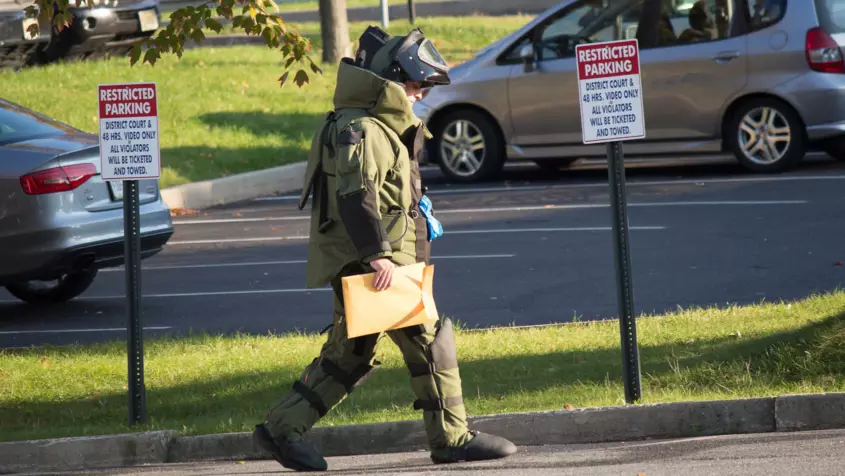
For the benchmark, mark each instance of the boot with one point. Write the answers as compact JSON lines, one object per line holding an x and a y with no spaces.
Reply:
{"x":481,"y":447}
{"x":296,"y":455}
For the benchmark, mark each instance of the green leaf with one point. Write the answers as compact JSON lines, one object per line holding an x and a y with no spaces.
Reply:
{"x":136,"y":54}
{"x":213,"y":25}
{"x":316,"y":69}
{"x":237,"y":21}
{"x":33,"y":30}
{"x":289,"y":62}
{"x":197,"y":35}
{"x":151,"y":56}
{"x":300,"y":78}
{"x":284,"y":78}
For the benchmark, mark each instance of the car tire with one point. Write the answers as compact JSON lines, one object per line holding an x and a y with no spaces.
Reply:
{"x":461,"y":133}
{"x":770,"y":131}
{"x":68,"y":287}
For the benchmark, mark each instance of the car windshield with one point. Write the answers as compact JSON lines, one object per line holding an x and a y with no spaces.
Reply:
{"x":831,"y":15}
{"x":18,"y":124}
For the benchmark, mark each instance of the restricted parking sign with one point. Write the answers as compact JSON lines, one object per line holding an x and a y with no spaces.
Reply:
{"x":129,"y":139}
{"x":610,"y":91}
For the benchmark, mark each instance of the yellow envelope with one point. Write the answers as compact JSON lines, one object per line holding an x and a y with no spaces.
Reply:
{"x":409,"y":301}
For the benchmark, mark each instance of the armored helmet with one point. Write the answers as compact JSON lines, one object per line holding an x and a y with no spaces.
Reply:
{"x":404,"y":58}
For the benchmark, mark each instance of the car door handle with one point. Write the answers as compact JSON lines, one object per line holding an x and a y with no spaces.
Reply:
{"x":725,"y":56}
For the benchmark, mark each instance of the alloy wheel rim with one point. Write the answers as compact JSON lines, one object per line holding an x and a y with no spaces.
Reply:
{"x":462,"y":148}
{"x":764,"y":135}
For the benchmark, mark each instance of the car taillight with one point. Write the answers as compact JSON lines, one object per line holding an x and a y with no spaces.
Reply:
{"x":57,"y":179}
{"x":823,"y":53}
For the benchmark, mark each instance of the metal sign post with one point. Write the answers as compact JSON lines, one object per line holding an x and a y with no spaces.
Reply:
{"x":135,"y":336}
{"x":385,"y":15}
{"x":130,"y":151}
{"x":610,"y":92}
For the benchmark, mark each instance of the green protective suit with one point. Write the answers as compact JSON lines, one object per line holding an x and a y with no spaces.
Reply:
{"x":363,"y":169}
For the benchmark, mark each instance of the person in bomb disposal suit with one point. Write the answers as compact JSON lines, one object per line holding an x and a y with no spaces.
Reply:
{"x":368,"y":215}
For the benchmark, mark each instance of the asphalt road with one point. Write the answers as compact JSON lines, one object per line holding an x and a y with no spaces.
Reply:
{"x":528,"y":250}
{"x":810,"y":453}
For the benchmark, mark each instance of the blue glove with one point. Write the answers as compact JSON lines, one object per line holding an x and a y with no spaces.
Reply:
{"x":435,"y":229}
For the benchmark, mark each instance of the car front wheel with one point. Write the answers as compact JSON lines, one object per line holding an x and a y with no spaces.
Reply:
{"x":468,"y":146}
{"x":766,"y":135}
{"x":65,"y":288}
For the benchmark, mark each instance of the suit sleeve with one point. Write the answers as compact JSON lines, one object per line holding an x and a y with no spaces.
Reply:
{"x":359,"y":178}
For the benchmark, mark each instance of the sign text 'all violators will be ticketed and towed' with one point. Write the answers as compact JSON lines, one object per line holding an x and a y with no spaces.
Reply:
{"x":610,"y":91}
{"x":129,"y":135}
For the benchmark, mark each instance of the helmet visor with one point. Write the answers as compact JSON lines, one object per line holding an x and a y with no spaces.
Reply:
{"x":422,"y":63}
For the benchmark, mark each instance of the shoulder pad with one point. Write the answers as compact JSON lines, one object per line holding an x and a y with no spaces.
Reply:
{"x":351,"y":134}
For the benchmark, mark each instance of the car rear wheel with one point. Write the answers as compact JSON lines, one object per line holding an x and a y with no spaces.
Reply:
{"x":65,"y":288}
{"x":766,"y":135}
{"x":468,"y":146}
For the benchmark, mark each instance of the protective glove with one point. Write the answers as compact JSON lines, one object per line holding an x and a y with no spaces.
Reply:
{"x":435,"y":229}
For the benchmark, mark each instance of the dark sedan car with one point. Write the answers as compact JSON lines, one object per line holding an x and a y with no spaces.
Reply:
{"x":104,"y":27}
{"x":17,"y":47}
{"x":59,"y":221}
{"x":99,"y":28}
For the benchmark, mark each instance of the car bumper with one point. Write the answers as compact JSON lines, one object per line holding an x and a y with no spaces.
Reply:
{"x":422,"y":111}
{"x":107,"y":25}
{"x":47,"y":253}
{"x":819,"y":98}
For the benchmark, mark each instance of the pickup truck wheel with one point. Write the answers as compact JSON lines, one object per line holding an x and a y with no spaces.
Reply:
{"x":65,"y":288}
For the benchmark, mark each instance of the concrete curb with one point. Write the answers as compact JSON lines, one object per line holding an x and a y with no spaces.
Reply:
{"x":94,"y":451}
{"x":592,"y":425}
{"x":245,"y":186}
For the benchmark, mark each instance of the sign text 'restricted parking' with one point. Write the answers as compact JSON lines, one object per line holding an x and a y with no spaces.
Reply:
{"x":129,"y":135}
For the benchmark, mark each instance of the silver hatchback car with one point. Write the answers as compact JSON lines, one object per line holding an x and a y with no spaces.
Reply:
{"x":763,"y":80}
{"x":59,"y":221}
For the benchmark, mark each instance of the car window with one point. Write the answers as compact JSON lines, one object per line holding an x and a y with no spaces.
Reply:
{"x":694,"y":21}
{"x":588,"y":21}
{"x":764,"y":13}
{"x":18,"y":124}
{"x":831,"y":15}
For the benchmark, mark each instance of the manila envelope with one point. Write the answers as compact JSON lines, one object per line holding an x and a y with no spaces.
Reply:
{"x":408,"y":301}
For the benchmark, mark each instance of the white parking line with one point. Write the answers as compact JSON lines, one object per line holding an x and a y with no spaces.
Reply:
{"x":630,"y":183}
{"x":199,"y":294}
{"x":213,"y":293}
{"x":61,"y":331}
{"x":214,"y":265}
{"x":275,"y":263}
{"x":541,"y":230}
{"x":238,"y":240}
{"x":453,"y":211}
{"x":457,"y":232}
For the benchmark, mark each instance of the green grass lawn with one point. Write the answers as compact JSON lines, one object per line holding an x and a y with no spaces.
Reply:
{"x":208,"y":384}
{"x":221,"y":109}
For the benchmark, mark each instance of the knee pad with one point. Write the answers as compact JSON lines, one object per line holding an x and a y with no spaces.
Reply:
{"x":442,"y":357}
{"x":307,"y":386}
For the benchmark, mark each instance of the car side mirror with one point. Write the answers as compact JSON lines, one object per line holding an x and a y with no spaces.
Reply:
{"x":527,"y":55}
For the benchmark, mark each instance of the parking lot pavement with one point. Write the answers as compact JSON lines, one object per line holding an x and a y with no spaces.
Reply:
{"x":806,"y":453}
{"x":523,"y":251}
